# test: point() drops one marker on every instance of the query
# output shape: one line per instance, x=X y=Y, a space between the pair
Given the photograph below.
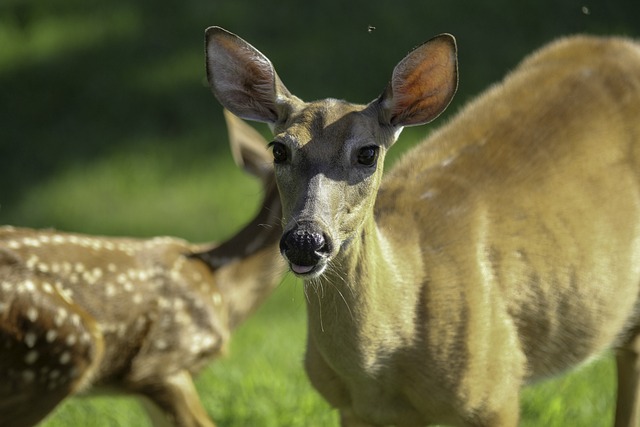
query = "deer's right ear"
x=422 y=84
x=242 y=78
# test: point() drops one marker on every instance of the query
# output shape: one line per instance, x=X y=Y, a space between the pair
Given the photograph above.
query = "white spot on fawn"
x=51 y=336
x=110 y=290
x=71 y=340
x=14 y=244
x=31 y=262
x=75 y=319
x=31 y=357
x=28 y=241
x=32 y=314
x=65 y=358
x=30 y=339
x=60 y=317
x=46 y=286
x=29 y=286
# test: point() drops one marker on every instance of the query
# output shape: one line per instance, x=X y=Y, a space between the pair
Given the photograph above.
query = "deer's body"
x=503 y=249
x=512 y=247
x=84 y=313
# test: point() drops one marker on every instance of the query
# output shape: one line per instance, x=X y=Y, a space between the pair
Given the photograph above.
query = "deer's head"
x=328 y=154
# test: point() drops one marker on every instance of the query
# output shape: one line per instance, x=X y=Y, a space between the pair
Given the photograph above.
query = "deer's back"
x=530 y=199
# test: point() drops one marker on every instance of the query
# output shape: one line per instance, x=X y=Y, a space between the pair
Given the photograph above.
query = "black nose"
x=304 y=245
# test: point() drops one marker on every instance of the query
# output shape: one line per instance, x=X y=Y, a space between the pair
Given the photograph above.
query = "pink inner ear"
x=423 y=83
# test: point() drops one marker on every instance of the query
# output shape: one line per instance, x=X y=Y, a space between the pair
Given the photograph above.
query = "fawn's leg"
x=177 y=401
x=49 y=349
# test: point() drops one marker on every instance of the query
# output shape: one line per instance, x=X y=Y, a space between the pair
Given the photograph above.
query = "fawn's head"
x=328 y=154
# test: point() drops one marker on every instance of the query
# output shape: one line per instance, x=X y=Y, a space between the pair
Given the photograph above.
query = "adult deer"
x=83 y=313
x=503 y=249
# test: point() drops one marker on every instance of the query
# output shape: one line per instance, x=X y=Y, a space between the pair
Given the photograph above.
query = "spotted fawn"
x=81 y=313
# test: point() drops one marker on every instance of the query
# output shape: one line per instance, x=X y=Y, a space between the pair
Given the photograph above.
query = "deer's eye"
x=279 y=151
x=367 y=156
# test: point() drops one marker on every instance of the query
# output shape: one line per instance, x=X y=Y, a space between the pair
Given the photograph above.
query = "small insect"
x=370 y=28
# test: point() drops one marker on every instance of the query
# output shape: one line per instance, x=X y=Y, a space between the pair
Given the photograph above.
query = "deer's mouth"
x=308 y=271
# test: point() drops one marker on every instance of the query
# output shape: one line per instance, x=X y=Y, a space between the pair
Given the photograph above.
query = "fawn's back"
x=140 y=289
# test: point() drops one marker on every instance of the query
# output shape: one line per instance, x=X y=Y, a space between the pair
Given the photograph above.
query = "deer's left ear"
x=242 y=78
x=422 y=84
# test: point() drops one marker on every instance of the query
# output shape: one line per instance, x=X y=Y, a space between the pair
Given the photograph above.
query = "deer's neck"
x=367 y=299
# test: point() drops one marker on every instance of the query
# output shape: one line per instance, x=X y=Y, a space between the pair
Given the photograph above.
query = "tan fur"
x=503 y=249
x=81 y=313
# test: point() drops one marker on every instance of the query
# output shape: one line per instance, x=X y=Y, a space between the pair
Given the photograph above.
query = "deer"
x=81 y=314
x=502 y=249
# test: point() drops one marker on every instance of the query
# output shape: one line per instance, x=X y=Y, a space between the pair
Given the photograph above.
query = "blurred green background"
x=107 y=126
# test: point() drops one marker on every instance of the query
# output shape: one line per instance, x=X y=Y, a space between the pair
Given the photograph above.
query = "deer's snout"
x=306 y=248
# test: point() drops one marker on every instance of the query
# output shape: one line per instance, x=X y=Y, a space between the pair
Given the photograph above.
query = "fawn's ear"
x=422 y=84
x=248 y=147
x=242 y=78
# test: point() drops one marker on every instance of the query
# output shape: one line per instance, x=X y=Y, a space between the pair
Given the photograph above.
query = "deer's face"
x=328 y=158
x=328 y=154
